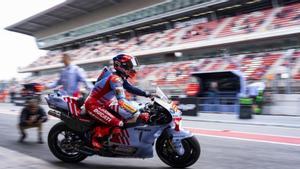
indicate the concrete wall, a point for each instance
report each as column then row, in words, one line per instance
column 284, row 104
column 98, row 15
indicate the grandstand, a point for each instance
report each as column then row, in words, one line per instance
column 171, row 38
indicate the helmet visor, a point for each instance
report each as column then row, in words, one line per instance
column 133, row 64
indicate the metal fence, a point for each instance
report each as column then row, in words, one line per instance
column 194, row 105
column 284, row 86
column 218, row 104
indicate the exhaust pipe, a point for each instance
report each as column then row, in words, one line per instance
column 56, row 114
column 86, row 150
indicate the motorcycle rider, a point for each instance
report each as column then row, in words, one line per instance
column 108, row 96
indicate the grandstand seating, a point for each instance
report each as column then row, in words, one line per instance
column 295, row 60
column 288, row 16
column 44, row 79
column 176, row 74
column 246, row 23
column 255, row 66
column 201, row 31
column 241, row 24
column 297, row 76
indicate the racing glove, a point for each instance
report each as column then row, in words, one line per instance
column 144, row 117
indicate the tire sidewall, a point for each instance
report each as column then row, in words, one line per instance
column 192, row 141
column 61, row 126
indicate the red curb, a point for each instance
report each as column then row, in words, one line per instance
column 244, row 135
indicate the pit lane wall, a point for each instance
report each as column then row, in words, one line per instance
column 281, row 104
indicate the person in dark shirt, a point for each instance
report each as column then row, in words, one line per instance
column 213, row 93
column 32, row 116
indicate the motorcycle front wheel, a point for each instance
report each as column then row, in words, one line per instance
column 168, row 155
column 61, row 143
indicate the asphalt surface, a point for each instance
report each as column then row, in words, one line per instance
column 217, row 152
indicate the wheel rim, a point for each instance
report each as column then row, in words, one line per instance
column 66, row 142
column 170, row 154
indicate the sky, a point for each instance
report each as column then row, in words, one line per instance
column 18, row 50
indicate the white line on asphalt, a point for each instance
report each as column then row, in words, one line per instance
column 243, row 139
column 245, row 132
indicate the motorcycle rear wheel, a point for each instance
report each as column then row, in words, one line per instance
column 169, row 156
column 56, row 146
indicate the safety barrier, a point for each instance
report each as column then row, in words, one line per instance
column 193, row 105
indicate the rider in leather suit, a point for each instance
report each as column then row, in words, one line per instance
column 107, row 102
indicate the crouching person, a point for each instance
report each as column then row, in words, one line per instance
column 32, row 116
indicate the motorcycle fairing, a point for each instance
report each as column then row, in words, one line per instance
column 142, row 138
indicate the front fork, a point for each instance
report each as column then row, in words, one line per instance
column 175, row 138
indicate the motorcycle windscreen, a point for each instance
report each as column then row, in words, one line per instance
column 161, row 94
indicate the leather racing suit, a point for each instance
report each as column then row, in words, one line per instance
column 108, row 96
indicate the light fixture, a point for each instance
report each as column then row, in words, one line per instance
column 178, row 54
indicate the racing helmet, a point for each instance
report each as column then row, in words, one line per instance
column 125, row 65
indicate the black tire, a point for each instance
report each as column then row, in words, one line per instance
column 57, row 150
column 170, row 157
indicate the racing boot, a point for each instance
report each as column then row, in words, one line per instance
column 116, row 134
column 100, row 135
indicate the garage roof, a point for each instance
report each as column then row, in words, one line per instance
column 59, row 13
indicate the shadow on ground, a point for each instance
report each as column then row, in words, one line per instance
column 102, row 166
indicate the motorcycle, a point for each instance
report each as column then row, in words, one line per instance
column 70, row 139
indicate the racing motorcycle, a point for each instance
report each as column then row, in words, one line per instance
column 70, row 139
